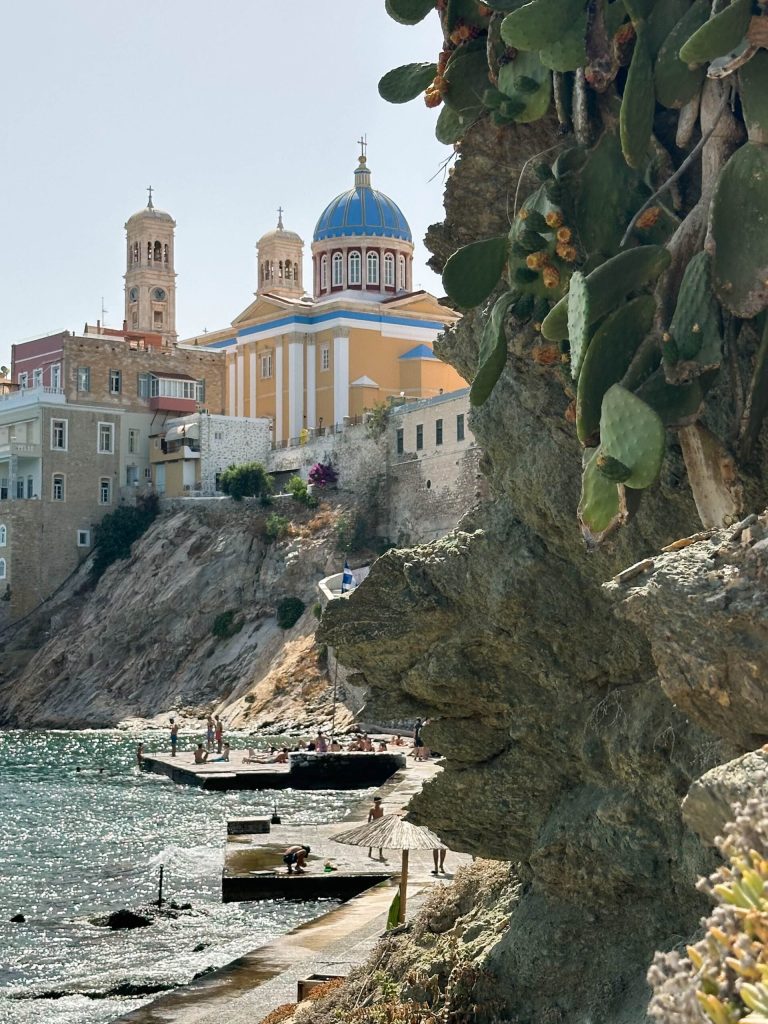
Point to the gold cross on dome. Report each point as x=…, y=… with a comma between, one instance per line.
x=149, y=204
x=363, y=144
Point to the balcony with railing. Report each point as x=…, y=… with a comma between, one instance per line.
x=32, y=396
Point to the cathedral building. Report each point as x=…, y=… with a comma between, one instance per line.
x=364, y=337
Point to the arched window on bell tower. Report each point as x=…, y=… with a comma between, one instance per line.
x=158, y=256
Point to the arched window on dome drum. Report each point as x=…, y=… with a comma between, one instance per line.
x=373, y=268
x=353, y=272
x=338, y=268
x=401, y=272
x=158, y=252
x=324, y=272
x=389, y=270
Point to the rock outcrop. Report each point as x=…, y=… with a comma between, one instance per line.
x=143, y=641
x=563, y=752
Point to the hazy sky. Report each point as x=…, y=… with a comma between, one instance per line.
x=229, y=108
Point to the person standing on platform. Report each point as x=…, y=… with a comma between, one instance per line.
x=218, y=731
x=174, y=736
x=377, y=811
x=210, y=726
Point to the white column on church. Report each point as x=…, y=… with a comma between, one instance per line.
x=252, y=382
x=278, y=431
x=295, y=385
x=240, y=383
x=231, y=397
x=311, y=384
x=340, y=375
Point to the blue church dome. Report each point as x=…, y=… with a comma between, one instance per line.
x=362, y=210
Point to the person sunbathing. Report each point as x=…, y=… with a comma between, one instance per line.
x=201, y=754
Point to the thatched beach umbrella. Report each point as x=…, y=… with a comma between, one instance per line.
x=392, y=833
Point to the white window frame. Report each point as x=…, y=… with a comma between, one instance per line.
x=37, y=378
x=147, y=472
x=83, y=538
x=337, y=264
x=56, y=377
x=23, y=380
x=115, y=378
x=354, y=263
x=325, y=357
x=401, y=271
x=265, y=366
x=110, y=427
x=324, y=271
x=65, y=432
x=3, y=569
x=59, y=477
x=389, y=270
x=105, y=490
x=372, y=268
x=3, y=535
x=84, y=378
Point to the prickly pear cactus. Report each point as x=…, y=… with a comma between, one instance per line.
x=637, y=253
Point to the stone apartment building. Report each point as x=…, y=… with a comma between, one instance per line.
x=75, y=443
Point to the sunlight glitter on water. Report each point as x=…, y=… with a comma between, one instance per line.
x=75, y=844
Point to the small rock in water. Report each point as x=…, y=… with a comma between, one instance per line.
x=122, y=919
x=18, y=919
x=200, y=947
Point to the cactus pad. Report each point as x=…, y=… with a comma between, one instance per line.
x=492, y=357
x=675, y=82
x=539, y=23
x=607, y=195
x=753, y=88
x=678, y=405
x=718, y=35
x=601, y=508
x=632, y=433
x=695, y=327
x=740, y=232
x=471, y=274
x=638, y=103
x=405, y=83
x=408, y=12
x=608, y=357
x=609, y=283
x=579, y=319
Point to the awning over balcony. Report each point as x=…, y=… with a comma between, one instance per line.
x=182, y=431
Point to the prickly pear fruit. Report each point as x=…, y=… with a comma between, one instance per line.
x=492, y=357
x=675, y=82
x=609, y=283
x=601, y=508
x=753, y=88
x=638, y=103
x=533, y=220
x=740, y=232
x=539, y=23
x=472, y=272
x=632, y=433
x=612, y=469
x=607, y=360
x=717, y=36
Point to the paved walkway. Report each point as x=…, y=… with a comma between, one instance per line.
x=251, y=987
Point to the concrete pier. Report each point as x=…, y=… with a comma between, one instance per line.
x=305, y=770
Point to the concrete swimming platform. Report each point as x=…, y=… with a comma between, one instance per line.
x=305, y=770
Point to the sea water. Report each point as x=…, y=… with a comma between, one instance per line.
x=76, y=844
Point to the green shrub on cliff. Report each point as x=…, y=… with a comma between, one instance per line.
x=276, y=526
x=289, y=611
x=299, y=491
x=225, y=625
x=118, y=530
x=250, y=480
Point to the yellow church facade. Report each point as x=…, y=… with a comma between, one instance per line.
x=310, y=363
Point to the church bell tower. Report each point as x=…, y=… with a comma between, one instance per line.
x=150, y=280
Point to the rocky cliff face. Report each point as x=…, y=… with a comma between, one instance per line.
x=141, y=642
x=563, y=751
